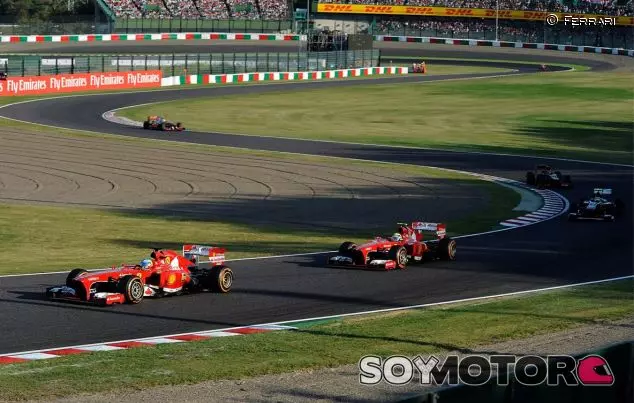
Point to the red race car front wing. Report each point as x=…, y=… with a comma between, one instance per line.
x=348, y=262
x=63, y=293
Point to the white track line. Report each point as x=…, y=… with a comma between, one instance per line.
x=287, y=324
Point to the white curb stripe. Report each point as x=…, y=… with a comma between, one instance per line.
x=41, y=354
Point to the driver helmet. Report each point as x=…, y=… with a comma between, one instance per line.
x=397, y=237
x=146, y=264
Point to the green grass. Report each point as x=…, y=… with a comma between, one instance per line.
x=330, y=344
x=585, y=115
x=66, y=237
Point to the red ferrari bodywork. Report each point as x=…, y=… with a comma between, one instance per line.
x=388, y=253
x=197, y=268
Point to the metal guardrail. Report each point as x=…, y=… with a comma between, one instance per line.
x=158, y=25
x=608, y=39
x=179, y=64
x=88, y=25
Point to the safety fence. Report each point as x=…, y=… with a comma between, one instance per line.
x=158, y=25
x=620, y=358
x=73, y=83
x=87, y=24
x=502, y=44
x=609, y=39
x=183, y=64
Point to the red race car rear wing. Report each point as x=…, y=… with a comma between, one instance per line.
x=439, y=228
x=204, y=253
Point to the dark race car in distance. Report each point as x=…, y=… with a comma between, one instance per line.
x=397, y=251
x=598, y=207
x=543, y=176
x=160, y=123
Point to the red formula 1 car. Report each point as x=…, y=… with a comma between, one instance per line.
x=395, y=252
x=159, y=123
x=166, y=272
x=419, y=68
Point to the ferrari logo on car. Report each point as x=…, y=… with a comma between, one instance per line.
x=171, y=279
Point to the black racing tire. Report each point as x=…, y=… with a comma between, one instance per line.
x=399, y=255
x=132, y=288
x=347, y=247
x=530, y=178
x=71, y=276
x=221, y=279
x=542, y=180
x=164, y=126
x=146, y=125
x=619, y=207
x=447, y=249
x=567, y=179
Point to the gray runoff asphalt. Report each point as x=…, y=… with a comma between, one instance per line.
x=551, y=253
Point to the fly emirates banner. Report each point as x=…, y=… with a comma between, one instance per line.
x=64, y=83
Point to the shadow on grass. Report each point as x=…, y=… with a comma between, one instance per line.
x=597, y=136
x=343, y=210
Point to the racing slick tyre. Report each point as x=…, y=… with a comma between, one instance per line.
x=132, y=288
x=619, y=207
x=399, y=255
x=541, y=180
x=347, y=247
x=447, y=249
x=164, y=126
x=146, y=125
x=530, y=178
x=221, y=279
x=567, y=179
x=71, y=276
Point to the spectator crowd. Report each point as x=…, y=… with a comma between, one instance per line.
x=281, y=10
x=609, y=7
x=508, y=30
x=202, y=9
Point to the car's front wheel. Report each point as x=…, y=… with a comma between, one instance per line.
x=399, y=255
x=132, y=288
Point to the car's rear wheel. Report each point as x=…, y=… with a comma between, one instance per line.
x=447, y=249
x=221, y=279
x=132, y=288
x=530, y=178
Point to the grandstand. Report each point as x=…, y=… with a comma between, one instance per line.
x=613, y=8
x=281, y=9
x=201, y=9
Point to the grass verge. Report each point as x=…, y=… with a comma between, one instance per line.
x=331, y=344
x=544, y=114
x=66, y=237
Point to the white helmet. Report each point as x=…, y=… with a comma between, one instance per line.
x=397, y=237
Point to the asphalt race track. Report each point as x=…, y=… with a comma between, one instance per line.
x=269, y=290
